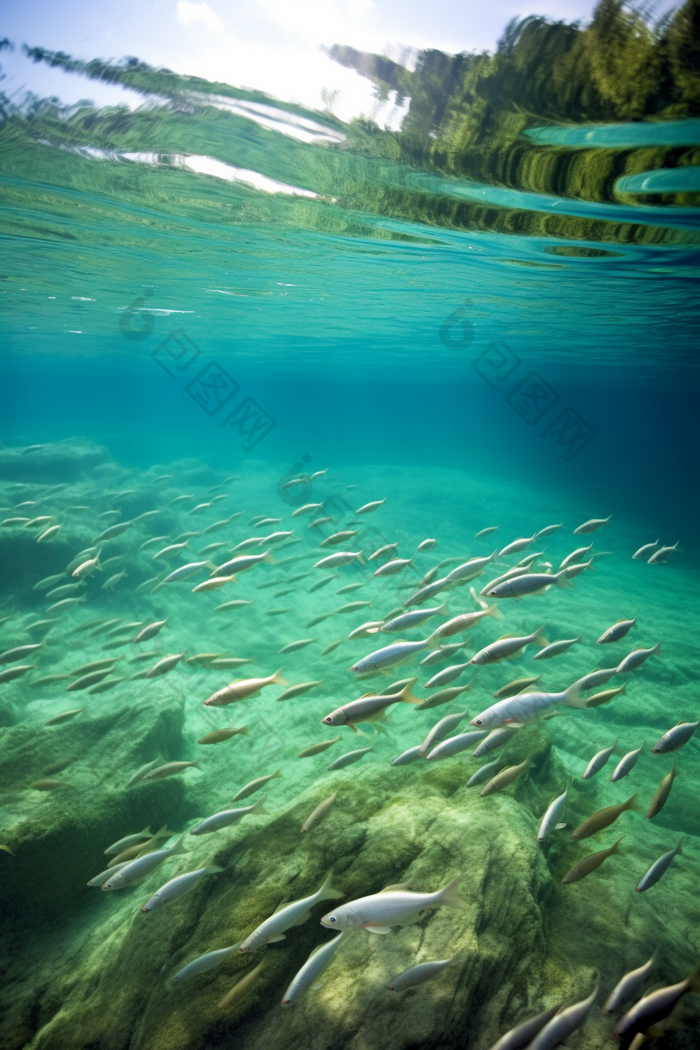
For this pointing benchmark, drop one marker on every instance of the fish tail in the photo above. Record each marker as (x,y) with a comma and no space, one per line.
(178,847)
(259,806)
(449,895)
(406,696)
(360,558)
(572,696)
(560,579)
(631,803)
(539,638)
(694,980)
(277,678)
(327,893)
(212,869)
(615,848)
(277,773)
(269,558)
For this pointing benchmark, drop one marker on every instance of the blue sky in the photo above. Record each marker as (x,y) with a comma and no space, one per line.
(272,45)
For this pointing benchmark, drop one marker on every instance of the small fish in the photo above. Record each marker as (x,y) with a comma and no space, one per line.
(440,731)
(645,552)
(308,508)
(636,658)
(529,583)
(387,657)
(655,1006)
(48,785)
(548,530)
(319,814)
(406,757)
(349,758)
(340,558)
(628,986)
(662,792)
(217,736)
(242,987)
(369,707)
(141,773)
(443,696)
(675,738)
(455,745)
(556,648)
(292,647)
(417,974)
(485,772)
(65,603)
(317,749)
(368,508)
(574,557)
(48,582)
(65,590)
(378,912)
(64,716)
(99,880)
(150,631)
(445,652)
(496,738)
(598,761)
(10,673)
(112,582)
(294,914)
(19,652)
(339,537)
(393,567)
(427,545)
(449,674)
(169,552)
(406,621)
(617,631)
(507,646)
(342,590)
(167,663)
(550,821)
(86,680)
(203,963)
(427,591)
(226,817)
(661,556)
(229,663)
(184,572)
(592,525)
(318,961)
(332,646)
(468,570)
(590,863)
(658,868)
(464,622)
(49,533)
(243,688)
(603,818)
(626,765)
(142,866)
(517,545)
(169,769)
(563,1024)
(520,1037)
(298,690)
(366,629)
(179,885)
(595,678)
(506,777)
(237,604)
(113,531)
(128,840)
(243,562)
(255,785)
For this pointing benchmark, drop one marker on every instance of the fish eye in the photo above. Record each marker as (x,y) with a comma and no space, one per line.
(478,722)
(328,720)
(332,918)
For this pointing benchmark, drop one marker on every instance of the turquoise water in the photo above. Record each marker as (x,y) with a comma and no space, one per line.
(207,303)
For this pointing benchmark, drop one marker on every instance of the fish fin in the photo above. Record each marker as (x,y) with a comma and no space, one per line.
(327,893)
(277,773)
(360,558)
(352,726)
(494,611)
(269,558)
(178,846)
(277,937)
(398,887)
(259,807)
(539,638)
(277,678)
(406,696)
(213,869)
(572,696)
(558,827)
(376,929)
(244,731)
(694,980)
(449,894)
(631,803)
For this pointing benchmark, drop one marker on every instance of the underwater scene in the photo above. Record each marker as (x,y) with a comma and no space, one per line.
(349,520)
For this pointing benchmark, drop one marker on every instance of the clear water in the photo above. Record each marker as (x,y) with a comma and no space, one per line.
(229,286)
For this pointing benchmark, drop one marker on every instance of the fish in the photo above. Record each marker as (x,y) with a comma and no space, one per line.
(339,558)
(49,533)
(548,530)
(308,508)
(349,758)
(636,658)
(217,736)
(485,772)
(167,663)
(469,570)
(19,652)
(389,656)
(113,531)
(274,537)
(629,985)
(10,673)
(352,607)
(520,1037)
(112,582)
(645,552)
(294,914)
(515,686)
(86,680)
(151,542)
(65,603)
(626,764)
(168,552)
(237,604)
(254,785)
(598,761)
(406,621)
(662,792)
(443,696)
(550,821)
(603,818)
(518,570)
(369,706)
(449,674)
(444,652)
(99,880)
(605,697)
(454,745)
(675,738)
(332,646)
(242,987)
(293,647)
(368,508)
(440,730)
(49,581)
(342,590)
(590,863)
(529,583)
(524,706)
(392,568)
(142,866)
(507,646)
(556,648)
(496,738)
(506,777)
(150,631)
(318,961)
(563,1024)
(427,591)
(464,622)
(661,556)
(203,963)
(655,1006)
(184,572)
(574,557)
(243,688)
(300,688)
(317,749)
(517,545)
(378,912)
(365,629)
(486,532)
(65,590)
(128,840)
(48,785)
(406,757)
(338,537)
(658,868)
(141,772)
(64,716)
(417,974)
(179,885)
(226,817)
(617,631)
(229,663)
(168,769)
(426,545)
(592,525)
(595,678)
(320,813)
(40,625)
(202,659)
(317,522)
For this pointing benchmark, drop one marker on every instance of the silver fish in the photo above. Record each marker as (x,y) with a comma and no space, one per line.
(312,969)
(675,738)
(389,656)
(179,885)
(556,648)
(440,731)
(626,765)
(349,758)
(227,817)
(521,1036)
(378,912)
(563,1024)
(294,914)
(617,631)
(203,963)
(454,745)
(417,974)
(658,868)
(628,986)
(551,818)
(598,761)
(524,706)
(407,757)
